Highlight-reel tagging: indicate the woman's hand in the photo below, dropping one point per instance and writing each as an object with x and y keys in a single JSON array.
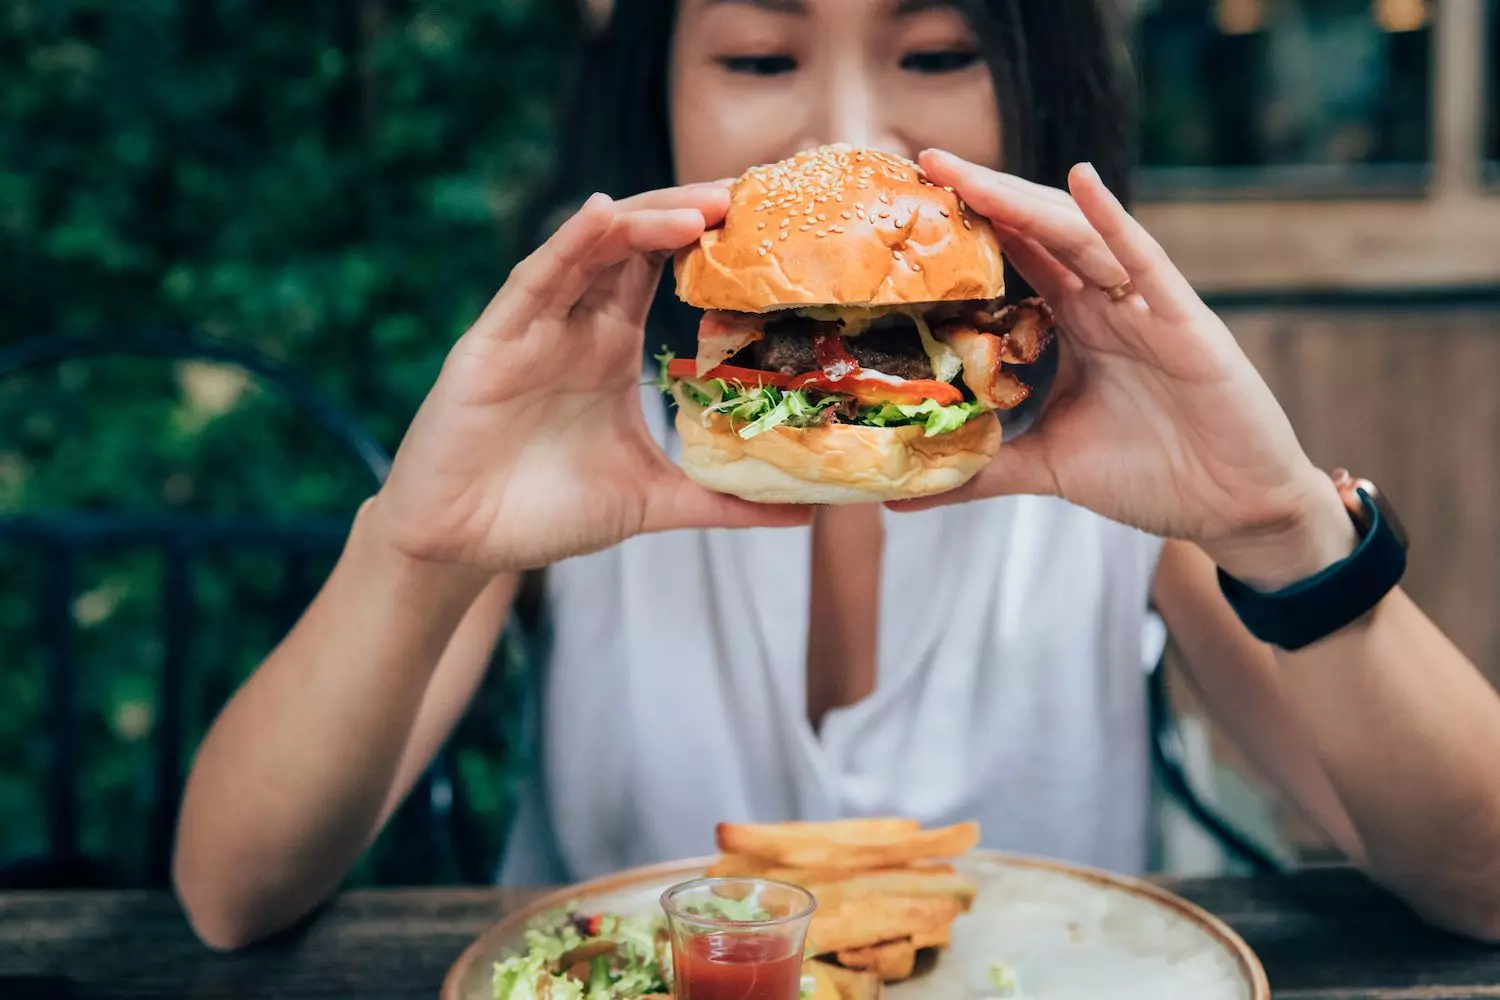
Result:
[
  {"x": 1158, "y": 420},
  {"x": 532, "y": 446}
]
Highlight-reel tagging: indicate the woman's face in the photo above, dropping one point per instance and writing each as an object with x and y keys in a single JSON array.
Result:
[{"x": 754, "y": 81}]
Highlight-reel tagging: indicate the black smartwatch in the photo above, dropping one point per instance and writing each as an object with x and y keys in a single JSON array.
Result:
[{"x": 1308, "y": 610}]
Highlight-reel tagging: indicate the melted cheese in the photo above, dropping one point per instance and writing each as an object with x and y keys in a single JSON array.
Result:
[{"x": 856, "y": 319}]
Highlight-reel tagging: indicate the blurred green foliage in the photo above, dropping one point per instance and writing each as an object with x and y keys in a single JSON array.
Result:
[{"x": 334, "y": 184}]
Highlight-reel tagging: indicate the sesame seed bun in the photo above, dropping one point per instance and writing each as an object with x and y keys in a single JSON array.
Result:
[
  {"x": 833, "y": 463},
  {"x": 843, "y": 226}
]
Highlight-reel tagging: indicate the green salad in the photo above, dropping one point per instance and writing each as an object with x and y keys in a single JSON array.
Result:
[{"x": 601, "y": 957}]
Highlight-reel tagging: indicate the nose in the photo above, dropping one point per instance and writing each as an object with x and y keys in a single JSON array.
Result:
[{"x": 847, "y": 108}]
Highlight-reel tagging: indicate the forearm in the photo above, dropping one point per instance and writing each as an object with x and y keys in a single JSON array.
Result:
[
  {"x": 1406, "y": 728},
  {"x": 290, "y": 782},
  {"x": 1409, "y": 733}
]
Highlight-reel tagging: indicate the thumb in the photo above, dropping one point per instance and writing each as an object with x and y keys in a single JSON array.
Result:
[{"x": 1017, "y": 468}]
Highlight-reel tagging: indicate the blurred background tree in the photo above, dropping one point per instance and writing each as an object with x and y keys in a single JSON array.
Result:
[{"x": 334, "y": 184}]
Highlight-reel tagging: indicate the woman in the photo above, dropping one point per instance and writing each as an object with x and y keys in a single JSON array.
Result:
[{"x": 980, "y": 660}]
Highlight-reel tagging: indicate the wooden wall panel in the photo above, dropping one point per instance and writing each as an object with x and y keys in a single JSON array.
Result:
[{"x": 1409, "y": 397}]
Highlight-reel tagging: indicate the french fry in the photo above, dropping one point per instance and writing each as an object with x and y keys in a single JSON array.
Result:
[
  {"x": 738, "y": 865},
  {"x": 892, "y": 961},
  {"x": 914, "y": 883},
  {"x": 856, "y": 829},
  {"x": 794, "y": 845},
  {"x": 839, "y": 830},
  {"x": 938, "y": 937},
  {"x": 855, "y": 984},
  {"x": 865, "y": 922}
]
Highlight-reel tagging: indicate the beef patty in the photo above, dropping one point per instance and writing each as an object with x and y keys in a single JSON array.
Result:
[{"x": 893, "y": 349}]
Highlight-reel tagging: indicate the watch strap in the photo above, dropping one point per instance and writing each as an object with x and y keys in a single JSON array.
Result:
[{"x": 1308, "y": 610}]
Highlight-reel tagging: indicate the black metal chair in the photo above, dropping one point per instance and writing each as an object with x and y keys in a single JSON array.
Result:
[
  {"x": 430, "y": 812},
  {"x": 1169, "y": 756}
]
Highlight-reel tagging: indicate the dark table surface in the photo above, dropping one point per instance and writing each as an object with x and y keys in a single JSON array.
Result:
[{"x": 1324, "y": 934}]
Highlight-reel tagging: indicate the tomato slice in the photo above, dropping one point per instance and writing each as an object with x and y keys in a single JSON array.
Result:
[
  {"x": 866, "y": 390},
  {"x": 872, "y": 391},
  {"x": 688, "y": 368}
]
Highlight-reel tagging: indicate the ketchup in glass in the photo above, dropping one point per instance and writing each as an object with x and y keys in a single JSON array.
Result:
[{"x": 737, "y": 939}]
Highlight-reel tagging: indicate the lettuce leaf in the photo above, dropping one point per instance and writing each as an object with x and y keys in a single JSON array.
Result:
[
  {"x": 935, "y": 417},
  {"x": 766, "y": 407},
  {"x": 755, "y": 410},
  {"x": 666, "y": 357},
  {"x": 724, "y": 908}
]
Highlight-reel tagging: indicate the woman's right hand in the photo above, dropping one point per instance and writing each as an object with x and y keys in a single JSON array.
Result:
[{"x": 532, "y": 446}]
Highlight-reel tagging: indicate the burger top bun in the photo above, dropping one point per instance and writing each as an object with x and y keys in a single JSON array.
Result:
[{"x": 842, "y": 226}]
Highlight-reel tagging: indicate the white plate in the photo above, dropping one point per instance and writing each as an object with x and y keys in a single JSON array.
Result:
[{"x": 1068, "y": 933}]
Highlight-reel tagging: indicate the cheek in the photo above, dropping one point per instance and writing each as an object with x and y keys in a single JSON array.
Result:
[
  {"x": 962, "y": 119},
  {"x": 721, "y": 127}
]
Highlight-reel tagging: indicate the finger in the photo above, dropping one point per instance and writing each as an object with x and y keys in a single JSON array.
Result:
[
  {"x": 710, "y": 199},
  {"x": 1042, "y": 271},
  {"x": 1041, "y": 191},
  {"x": 540, "y": 283},
  {"x": 1060, "y": 226},
  {"x": 627, "y": 291},
  {"x": 1018, "y": 468},
  {"x": 646, "y": 233},
  {"x": 1155, "y": 277},
  {"x": 679, "y": 502}
]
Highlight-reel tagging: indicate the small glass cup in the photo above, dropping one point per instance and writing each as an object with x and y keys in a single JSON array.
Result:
[{"x": 737, "y": 938}]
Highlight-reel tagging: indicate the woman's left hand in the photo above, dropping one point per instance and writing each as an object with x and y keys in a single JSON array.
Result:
[{"x": 1157, "y": 420}]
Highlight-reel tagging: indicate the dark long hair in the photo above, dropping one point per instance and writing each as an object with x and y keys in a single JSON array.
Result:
[{"x": 1062, "y": 82}]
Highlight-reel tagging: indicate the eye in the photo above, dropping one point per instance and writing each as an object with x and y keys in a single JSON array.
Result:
[
  {"x": 767, "y": 65},
  {"x": 939, "y": 61}
]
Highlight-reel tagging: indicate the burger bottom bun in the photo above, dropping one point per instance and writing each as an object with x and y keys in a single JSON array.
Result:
[{"x": 832, "y": 464}]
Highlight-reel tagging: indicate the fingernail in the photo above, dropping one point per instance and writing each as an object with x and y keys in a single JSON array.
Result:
[{"x": 1087, "y": 171}]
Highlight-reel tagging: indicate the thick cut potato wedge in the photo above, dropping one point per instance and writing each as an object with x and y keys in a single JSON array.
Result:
[
  {"x": 938, "y": 937},
  {"x": 914, "y": 883},
  {"x": 738, "y": 865},
  {"x": 892, "y": 961},
  {"x": 865, "y": 922},
  {"x": 789, "y": 845}
]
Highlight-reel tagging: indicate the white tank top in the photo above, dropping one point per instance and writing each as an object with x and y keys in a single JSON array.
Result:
[{"x": 1009, "y": 689}]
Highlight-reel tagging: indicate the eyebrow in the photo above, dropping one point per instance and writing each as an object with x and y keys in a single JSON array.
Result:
[
  {"x": 908, "y": 7},
  {"x": 779, "y": 6}
]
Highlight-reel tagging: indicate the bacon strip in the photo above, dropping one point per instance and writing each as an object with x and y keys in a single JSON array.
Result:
[
  {"x": 983, "y": 355},
  {"x": 1026, "y": 328},
  {"x": 722, "y": 335},
  {"x": 991, "y": 339}
]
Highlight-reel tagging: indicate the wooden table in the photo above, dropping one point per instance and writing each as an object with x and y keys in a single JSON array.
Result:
[{"x": 1324, "y": 935}]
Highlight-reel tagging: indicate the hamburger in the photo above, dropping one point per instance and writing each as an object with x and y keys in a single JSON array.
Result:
[{"x": 855, "y": 345}]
